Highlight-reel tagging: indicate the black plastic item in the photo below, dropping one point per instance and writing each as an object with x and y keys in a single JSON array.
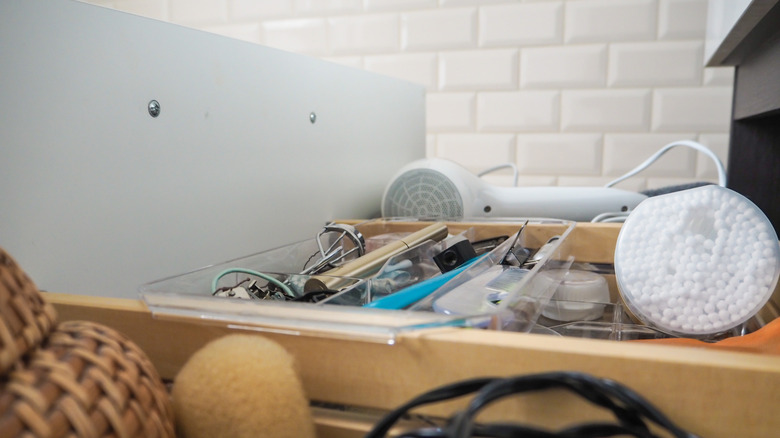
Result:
[
  {"x": 675, "y": 188},
  {"x": 633, "y": 414},
  {"x": 454, "y": 256}
]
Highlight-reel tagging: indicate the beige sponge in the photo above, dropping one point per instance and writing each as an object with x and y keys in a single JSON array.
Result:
[{"x": 241, "y": 386}]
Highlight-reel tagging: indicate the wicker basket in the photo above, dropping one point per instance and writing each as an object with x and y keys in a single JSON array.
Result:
[
  {"x": 86, "y": 380},
  {"x": 25, "y": 318}
]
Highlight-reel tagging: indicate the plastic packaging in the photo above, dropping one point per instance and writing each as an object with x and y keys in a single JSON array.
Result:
[{"x": 512, "y": 296}]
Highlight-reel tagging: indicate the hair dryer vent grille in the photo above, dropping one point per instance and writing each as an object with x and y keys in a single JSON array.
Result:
[{"x": 423, "y": 193}]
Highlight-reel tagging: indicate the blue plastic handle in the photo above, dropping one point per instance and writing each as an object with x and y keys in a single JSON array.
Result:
[{"x": 416, "y": 292}]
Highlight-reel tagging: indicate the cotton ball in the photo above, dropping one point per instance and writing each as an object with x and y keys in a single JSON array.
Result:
[{"x": 241, "y": 386}]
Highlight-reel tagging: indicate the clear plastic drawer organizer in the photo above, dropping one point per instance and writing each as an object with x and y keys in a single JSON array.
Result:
[
  {"x": 402, "y": 289},
  {"x": 697, "y": 263}
]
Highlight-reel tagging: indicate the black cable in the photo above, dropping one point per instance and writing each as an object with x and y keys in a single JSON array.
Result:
[
  {"x": 441, "y": 393},
  {"x": 590, "y": 430},
  {"x": 629, "y": 408},
  {"x": 599, "y": 430},
  {"x": 586, "y": 386},
  {"x": 648, "y": 410},
  {"x": 499, "y": 430},
  {"x": 598, "y": 391}
]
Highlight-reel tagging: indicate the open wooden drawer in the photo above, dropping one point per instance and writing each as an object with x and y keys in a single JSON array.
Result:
[{"x": 709, "y": 392}]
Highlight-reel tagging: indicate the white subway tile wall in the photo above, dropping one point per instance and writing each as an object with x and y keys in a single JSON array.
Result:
[
  {"x": 149, "y": 8},
  {"x": 477, "y": 151},
  {"x": 510, "y": 111},
  {"x": 450, "y": 112},
  {"x": 610, "y": 20},
  {"x": 364, "y": 34},
  {"x": 573, "y": 92},
  {"x": 605, "y": 110},
  {"x": 623, "y": 151},
  {"x": 521, "y": 24},
  {"x": 576, "y": 154},
  {"x": 439, "y": 29},
  {"x": 487, "y": 69},
  {"x": 681, "y": 19},
  {"x": 325, "y": 6},
  {"x": 652, "y": 64},
  {"x": 576, "y": 66},
  {"x": 700, "y": 109},
  {"x": 196, "y": 12},
  {"x": 303, "y": 35},
  {"x": 253, "y": 10},
  {"x": 420, "y": 68}
]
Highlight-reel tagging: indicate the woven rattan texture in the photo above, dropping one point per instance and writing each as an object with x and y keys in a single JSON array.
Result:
[
  {"x": 87, "y": 380},
  {"x": 25, "y": 317}
]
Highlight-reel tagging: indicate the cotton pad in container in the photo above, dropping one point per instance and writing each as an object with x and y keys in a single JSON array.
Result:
[{"x": 697, "y": 262}]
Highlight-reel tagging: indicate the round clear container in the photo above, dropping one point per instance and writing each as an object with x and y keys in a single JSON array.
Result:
[
  {"x": 697, "y": 262},
  {"x": 581, "y": 296}
]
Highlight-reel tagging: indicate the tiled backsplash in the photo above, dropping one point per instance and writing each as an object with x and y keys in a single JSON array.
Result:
[{"x": 574, "y": 92}]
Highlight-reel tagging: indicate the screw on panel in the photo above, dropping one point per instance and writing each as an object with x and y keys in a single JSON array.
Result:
[
  {"x": 312, "y": 117},
  {"x": 154, "y": 108}
]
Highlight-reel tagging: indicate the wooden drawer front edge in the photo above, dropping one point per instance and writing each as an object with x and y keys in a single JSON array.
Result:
[
  {"x": 590, "y": 242},
  {"x": 712, "y": 393}
]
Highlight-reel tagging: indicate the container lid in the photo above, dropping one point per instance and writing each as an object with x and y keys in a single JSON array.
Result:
[{"x": 697, "y": 262}]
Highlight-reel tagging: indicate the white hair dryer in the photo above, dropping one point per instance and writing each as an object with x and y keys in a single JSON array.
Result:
[{"x": 438, "y": 188}]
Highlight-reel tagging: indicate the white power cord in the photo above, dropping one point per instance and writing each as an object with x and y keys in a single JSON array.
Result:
[
  {"x": 617, "y": 216},
  {"x": 501, "y": 166},
  {"x": 621, "y": 216},
  {"x": 688, "y": 143}
]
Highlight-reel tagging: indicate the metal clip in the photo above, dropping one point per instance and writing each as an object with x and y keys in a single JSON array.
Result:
[
  {"x": 541, "y": 253},
  {"x": 516, "y": 255},
  {"x": 336, "y": 253}
]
